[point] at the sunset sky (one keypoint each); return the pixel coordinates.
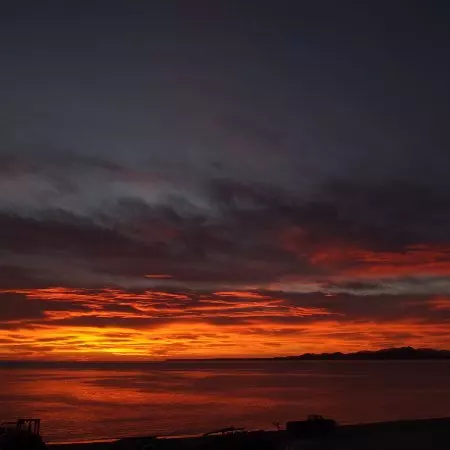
(230, 178)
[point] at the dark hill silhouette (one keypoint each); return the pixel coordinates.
(401, 353)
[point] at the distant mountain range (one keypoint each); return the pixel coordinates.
(401, 353)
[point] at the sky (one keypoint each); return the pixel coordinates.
(208, 179)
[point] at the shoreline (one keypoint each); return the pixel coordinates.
(396, 435)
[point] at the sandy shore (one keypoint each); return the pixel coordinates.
(427, 434)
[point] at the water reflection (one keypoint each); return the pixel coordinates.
(104, 402)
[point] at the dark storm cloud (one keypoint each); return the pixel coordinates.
(323, 78)
(392, 214)
(41, 159)
(16, 308)
(13, 276)
(382, 216)
(243, 233)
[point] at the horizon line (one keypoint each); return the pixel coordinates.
(222, 358)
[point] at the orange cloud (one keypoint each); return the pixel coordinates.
(416, 260)
(107, 324)
(207, 340)
(440, 303)
(157, 304)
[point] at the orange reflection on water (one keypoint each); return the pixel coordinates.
(95, 402)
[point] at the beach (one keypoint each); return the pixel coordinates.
(424, 434)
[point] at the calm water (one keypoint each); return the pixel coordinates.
(105, 402)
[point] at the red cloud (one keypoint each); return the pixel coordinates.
(415, 260)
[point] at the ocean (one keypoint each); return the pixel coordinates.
(80, 402)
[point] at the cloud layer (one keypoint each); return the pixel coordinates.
(204, 182)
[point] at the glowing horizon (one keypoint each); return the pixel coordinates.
(117, 324)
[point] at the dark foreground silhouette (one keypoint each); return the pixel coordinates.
(427, 434)
(22, 434)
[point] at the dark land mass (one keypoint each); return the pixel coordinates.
(401, 353)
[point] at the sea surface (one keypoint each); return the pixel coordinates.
(87, 402)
